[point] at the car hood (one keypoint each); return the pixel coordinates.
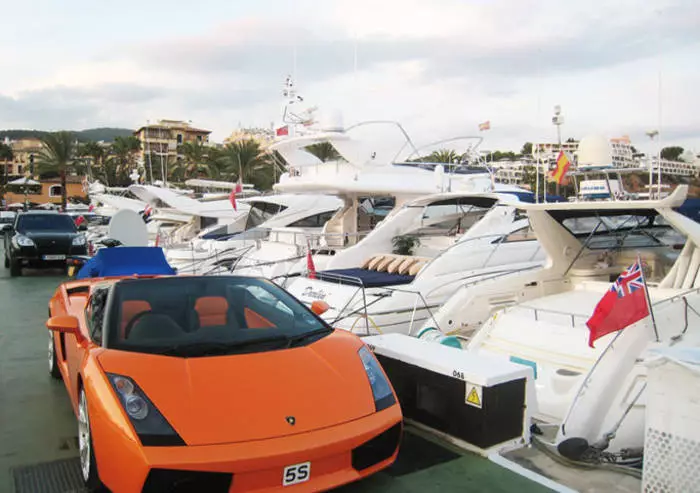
(235, 398)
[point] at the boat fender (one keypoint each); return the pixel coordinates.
(431, 334)
(573, 448)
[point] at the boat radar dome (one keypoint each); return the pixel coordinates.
(332, 122)
(594, 151)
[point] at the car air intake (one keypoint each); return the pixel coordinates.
(377, 449)
(178, 481)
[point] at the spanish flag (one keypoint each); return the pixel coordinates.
(563, 164)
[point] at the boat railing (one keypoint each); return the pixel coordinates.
(304, 238)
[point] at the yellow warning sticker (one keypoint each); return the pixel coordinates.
(473, 395)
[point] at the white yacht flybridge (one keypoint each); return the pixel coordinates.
(593, 395)
(373, 167)
(404, 270)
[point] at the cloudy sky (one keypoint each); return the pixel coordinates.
(439, 66)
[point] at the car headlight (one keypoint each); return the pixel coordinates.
(381, 389)
(22, 241)
(79, 241)
(150, 425)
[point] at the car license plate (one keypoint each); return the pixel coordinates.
(298, 473)
(54, 257)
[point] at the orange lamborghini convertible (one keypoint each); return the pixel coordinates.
(216, 384)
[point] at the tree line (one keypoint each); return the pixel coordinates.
(61, 155)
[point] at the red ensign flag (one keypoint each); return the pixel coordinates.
(624, 304)
(310, 267)
(232, 198)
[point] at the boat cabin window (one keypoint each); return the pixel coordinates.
(372, 210)
(618, 228)
(206, 222)
(261, 212)
(315, 221)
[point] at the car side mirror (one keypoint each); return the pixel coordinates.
(319, 307)
(64, 323)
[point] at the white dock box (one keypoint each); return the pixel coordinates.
(481, 400)
(672, 437)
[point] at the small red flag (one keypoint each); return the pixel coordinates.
(310, 267)
(232, 199)
(79, 220)
(282, 131)
(91, 208)
(624, 304)
(239, 185)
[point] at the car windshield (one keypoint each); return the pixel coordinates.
(46, 222)
(208, 316)
(7, 219)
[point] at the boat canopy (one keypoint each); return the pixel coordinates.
(126, 261)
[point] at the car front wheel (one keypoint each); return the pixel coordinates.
(53, 363)
(88, 465)
(15, 268)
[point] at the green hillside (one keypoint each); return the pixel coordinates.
(105, 133)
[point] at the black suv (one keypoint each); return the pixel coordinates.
(42, 239)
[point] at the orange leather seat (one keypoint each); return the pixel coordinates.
(130, 309)
(211, 310)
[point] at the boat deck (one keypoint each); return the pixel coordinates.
(38, 431)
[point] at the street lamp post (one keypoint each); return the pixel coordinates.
(651, 134)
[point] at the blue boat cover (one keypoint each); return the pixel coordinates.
(364, 277)
(126, 261)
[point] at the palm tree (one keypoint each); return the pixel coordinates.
(193, 161)
(245, 158)
(122, 158)
(324, 151)
(445, 156)
(6, 155)
(58, 156)
(95, 153)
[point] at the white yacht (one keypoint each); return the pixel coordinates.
(538, 317)
(372, 167)
(285, 218)
(394, 279)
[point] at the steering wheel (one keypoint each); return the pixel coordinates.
(134, 319)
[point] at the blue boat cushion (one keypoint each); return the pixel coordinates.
(126, 261)
(364, 277)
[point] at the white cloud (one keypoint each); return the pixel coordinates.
(440, 67)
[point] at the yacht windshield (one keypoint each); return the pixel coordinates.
(452, 216)
(261, 212)
(619, 229)
(208, 316)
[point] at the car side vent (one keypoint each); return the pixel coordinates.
(179, 481)
(377, 449)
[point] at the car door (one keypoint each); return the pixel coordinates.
(76, 353)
